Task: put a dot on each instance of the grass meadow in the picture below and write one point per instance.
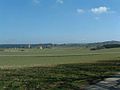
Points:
(54, 56)
(56, 68)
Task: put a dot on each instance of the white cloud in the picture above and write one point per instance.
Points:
(80, 10)
(60, 1)
(100, 10)
(36, 1)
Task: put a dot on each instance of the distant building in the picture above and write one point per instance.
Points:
(29, 46)
(41, 47)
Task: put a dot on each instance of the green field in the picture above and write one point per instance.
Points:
(59, 77)
(56, 68)
(54, 56)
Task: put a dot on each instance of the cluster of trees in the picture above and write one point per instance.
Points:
(107, 46)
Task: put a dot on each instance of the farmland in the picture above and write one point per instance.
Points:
(54, 56)
(68, 68)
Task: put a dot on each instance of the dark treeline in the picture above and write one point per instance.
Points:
(50, 45)
(25, 45)
(40, 45)
(107, 46)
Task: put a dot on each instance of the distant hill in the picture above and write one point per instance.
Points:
(89, 45)
(106, 45)
(107, 42)
(49, 45)
(102, 43)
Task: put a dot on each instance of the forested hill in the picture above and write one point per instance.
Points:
(102, 43)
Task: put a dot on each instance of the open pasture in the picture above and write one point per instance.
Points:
(54, 56)
(56, 68)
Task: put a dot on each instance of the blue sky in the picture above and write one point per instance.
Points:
(59, 21)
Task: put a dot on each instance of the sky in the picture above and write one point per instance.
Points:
(59, 21)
